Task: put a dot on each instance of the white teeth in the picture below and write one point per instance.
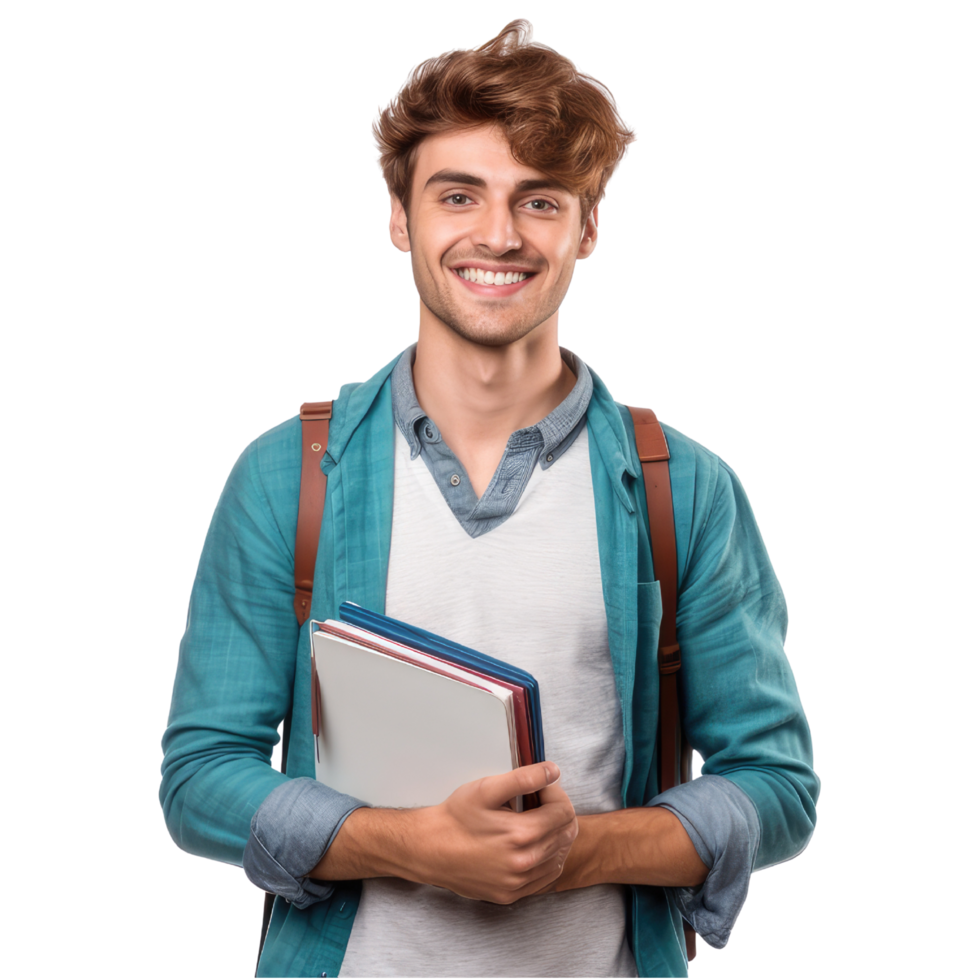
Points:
(488, 278)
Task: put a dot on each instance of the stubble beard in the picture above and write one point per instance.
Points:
(494, 326)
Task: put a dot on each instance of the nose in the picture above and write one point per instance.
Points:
(496, 230)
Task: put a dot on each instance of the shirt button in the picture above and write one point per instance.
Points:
(550, 457)
(428, 431)
(454, 480)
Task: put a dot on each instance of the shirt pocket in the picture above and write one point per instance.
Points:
(650, 610)
(646, 687)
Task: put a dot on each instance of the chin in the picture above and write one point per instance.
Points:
(488, 331)
(489, 335)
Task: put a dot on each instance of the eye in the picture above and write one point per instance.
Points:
(541, 205)
(458, 199)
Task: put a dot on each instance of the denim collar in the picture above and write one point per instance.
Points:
(554, 433)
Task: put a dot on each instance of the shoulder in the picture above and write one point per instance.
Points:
(687, 454)
(700, 479)
(697, 475)
(270, 465)
(704, 481)
(708, 499)
(260, 499)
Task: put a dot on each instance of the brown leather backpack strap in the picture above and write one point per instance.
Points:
(651, 446)
(315, 417)
(675, 754)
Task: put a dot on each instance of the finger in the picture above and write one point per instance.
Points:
(532, 882)
(550, 873)
(494, 791)
(555, 813)
(553, 793)
(536, 859)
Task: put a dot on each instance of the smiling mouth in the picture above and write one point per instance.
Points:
(487, 278)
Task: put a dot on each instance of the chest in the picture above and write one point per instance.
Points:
(528, 592)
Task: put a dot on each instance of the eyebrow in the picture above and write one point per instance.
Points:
(471, 180)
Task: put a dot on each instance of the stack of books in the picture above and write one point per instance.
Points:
(402, 717)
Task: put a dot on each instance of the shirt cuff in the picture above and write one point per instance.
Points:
(291, 832)
(724, 828)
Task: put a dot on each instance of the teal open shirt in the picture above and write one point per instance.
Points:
(244, 660)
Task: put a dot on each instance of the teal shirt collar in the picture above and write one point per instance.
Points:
(604, 418)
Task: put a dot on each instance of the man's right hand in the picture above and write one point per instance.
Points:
(471, 843)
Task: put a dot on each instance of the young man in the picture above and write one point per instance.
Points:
(485, 486)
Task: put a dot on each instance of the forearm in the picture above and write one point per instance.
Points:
(375, 843)
(470, 843)
(637, 846)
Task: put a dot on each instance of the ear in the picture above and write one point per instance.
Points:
(589, 234)
(398, 226)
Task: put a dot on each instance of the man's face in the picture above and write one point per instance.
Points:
(477, 216)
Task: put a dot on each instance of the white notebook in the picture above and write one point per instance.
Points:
(396, 733)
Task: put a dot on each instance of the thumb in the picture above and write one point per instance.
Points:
(495, 791)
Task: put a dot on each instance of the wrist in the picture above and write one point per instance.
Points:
(582, 867)
(398, 842)
(374, 843)
(405, 843)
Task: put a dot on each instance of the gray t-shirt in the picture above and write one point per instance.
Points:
(528, 592)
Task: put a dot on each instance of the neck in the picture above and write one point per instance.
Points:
(478, 396)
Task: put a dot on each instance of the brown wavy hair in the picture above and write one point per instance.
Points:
(555, 119)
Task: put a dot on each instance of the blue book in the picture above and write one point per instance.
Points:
(438, 646)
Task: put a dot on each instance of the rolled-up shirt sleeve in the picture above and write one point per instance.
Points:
(755, 804)
(236, 679)
(724, 828)
(290, 833)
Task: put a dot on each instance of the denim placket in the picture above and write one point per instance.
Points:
(544, 442)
